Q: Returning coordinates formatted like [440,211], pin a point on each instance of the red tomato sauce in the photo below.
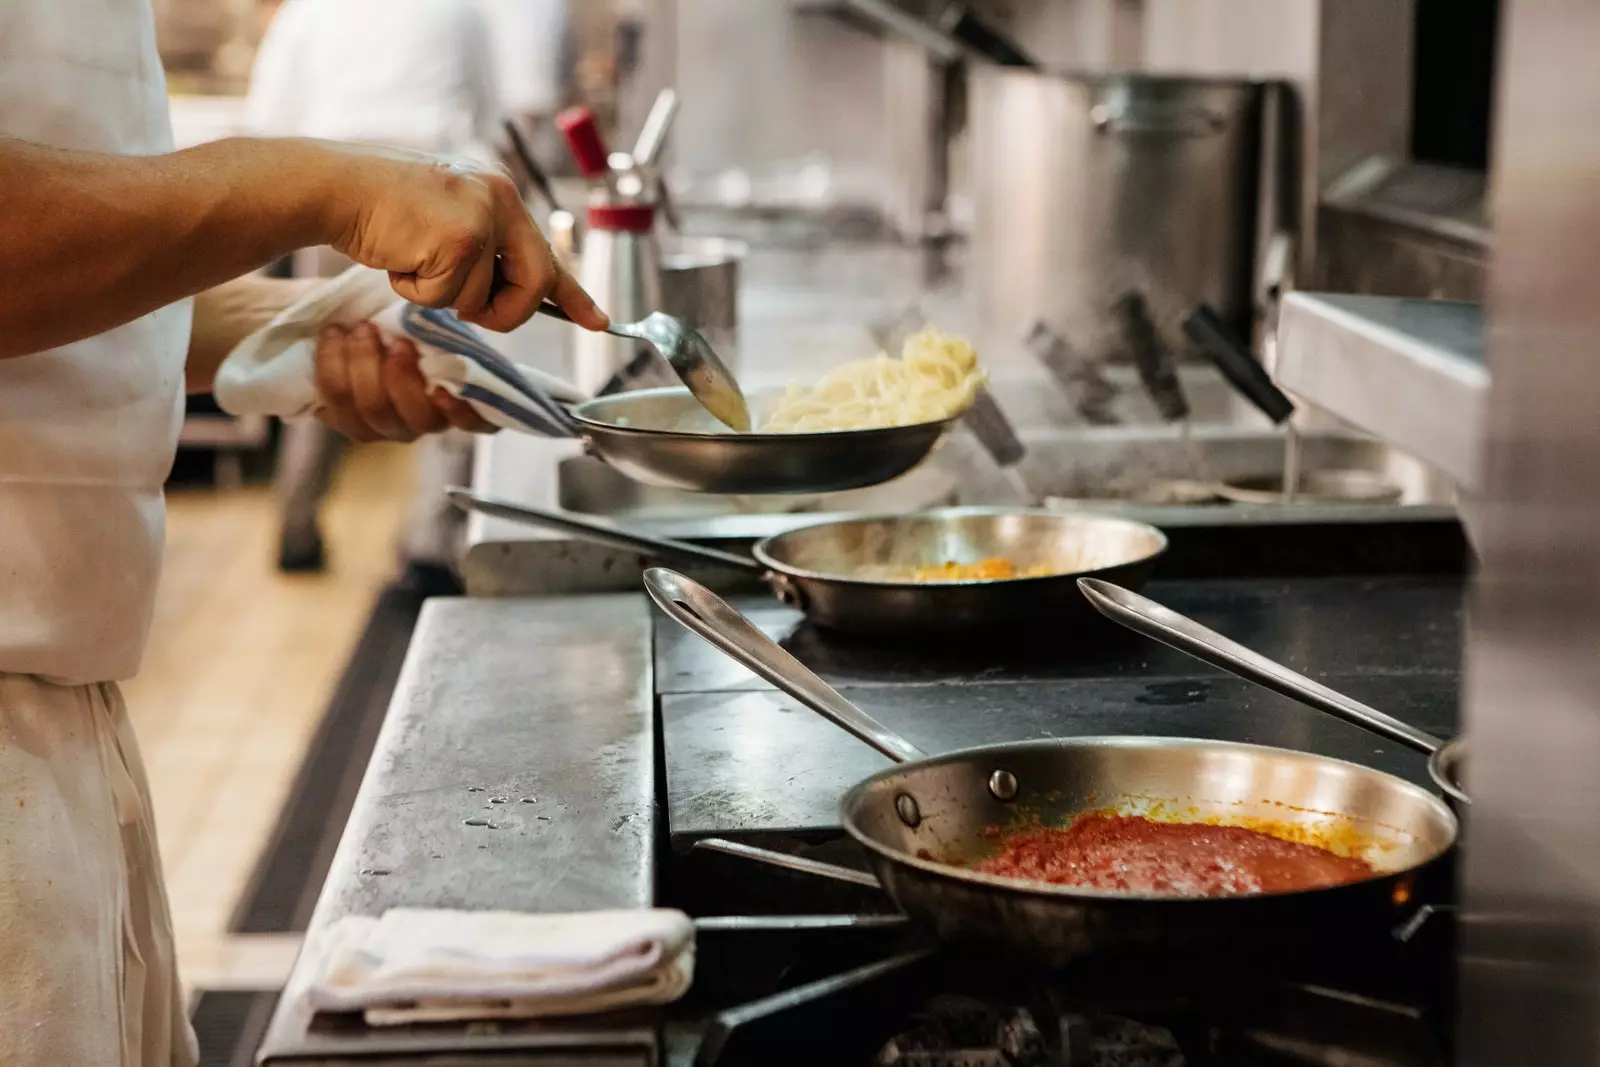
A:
[1131,853]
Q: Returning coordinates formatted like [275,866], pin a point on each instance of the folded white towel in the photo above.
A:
[272,372]
[427,965]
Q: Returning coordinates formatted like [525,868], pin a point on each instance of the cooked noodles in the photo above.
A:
[936,377]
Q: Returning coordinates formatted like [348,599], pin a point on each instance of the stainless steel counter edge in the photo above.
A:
[515,770]
[1411,372]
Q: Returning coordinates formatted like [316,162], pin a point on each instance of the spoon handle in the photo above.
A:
[555,312]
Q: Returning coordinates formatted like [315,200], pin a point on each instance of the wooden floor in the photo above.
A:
[241,663]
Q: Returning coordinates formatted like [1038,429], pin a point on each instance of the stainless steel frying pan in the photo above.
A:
[924,822]
[841,573]
[1446,760]
[664,437]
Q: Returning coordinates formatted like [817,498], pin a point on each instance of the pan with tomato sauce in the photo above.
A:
[1130,853]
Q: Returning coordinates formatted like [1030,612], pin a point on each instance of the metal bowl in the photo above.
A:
[663,437]
[1351,486]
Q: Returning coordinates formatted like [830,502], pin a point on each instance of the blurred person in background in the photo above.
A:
[416,74]
[127,278]
[529,40]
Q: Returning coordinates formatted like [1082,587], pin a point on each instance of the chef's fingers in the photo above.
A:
[408,390]
[571,297]
[478,285]
[333,385]
[525,268]
[460,414]
[368,392]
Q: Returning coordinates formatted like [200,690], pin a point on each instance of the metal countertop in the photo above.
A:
[546,700]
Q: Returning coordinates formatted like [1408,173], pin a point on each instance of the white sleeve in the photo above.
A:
[274,105]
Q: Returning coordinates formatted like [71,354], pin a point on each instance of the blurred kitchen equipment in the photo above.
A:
[1098,188]
[653,134]
[620,266]
[647,151]
[691,358]
[585,143]
[1232,357]
[536,175]
[1145,616]
[925,823]
[981,38]
[1091,393]
[1158,370]
[699,285]
[830,570]
[985,418]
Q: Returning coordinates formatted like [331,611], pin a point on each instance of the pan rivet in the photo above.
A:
[1003,785]
[905,806]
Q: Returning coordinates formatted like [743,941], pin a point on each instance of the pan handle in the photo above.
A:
[1167,626]
[699,609]
[601,532]
[800,864]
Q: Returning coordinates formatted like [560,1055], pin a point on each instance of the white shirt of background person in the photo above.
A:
[410,73]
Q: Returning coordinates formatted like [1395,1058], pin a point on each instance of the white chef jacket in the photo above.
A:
[87,436]
[413,73]
[527,38]
[87,431]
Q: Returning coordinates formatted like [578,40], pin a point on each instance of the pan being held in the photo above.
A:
[860,425]
[933,828]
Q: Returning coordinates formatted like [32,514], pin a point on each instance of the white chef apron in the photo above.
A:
[87,436]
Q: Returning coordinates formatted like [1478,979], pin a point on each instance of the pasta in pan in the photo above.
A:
[936,377]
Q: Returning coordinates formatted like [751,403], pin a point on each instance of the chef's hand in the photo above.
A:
[372,389]
[454,233]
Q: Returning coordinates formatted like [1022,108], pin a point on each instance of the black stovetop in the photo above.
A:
[745,762]
[865,990]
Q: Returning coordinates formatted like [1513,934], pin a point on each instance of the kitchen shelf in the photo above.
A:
[1411,372]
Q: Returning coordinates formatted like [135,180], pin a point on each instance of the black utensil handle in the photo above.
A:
[994,431]
[959,22]
[1230,356]
[536,173]
[1158,372]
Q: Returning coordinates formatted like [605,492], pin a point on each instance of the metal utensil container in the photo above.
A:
[1089,189]
[620,266]
[700,285]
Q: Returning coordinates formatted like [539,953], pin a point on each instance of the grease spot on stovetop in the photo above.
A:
[1174,694]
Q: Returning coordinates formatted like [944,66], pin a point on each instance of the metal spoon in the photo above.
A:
[690,356]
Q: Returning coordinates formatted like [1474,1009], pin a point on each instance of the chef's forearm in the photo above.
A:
[92,241]
[228,313]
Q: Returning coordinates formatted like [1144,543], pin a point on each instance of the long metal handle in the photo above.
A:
[699,609]
[1167,626]
[653,134]
[615,329]
[767,856]
[600,532]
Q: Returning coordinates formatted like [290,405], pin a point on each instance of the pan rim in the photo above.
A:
[766,559]
[825,436]
[1045,889]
